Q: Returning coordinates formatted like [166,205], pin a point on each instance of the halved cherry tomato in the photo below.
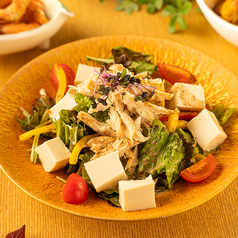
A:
[174,74]
[75,190]
[187,116]
[69,73]
[200,171]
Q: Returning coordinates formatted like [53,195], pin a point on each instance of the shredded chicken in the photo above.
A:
[132,160]
[99,127]
[130,130]
[87,88]
[121,145]
[100,142]
[142,75]
[117,68]
[122,131]
[115,122]
[146,110]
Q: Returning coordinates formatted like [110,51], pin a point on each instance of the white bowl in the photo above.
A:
[56,12]
[227,30]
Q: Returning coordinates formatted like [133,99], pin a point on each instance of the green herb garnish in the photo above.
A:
[116,80]
[174,8]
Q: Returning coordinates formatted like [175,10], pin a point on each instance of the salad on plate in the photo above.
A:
[126,131]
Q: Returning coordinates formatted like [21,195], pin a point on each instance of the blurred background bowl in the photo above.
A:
[56,12]
[224,28]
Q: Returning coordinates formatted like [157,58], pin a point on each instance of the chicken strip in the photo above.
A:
[99,143]
[115,122]
[88,88]
[146,110]
[99,127]
[132,160]
[130,130]
[121,145]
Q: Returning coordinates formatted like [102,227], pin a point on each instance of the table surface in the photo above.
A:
[218,217]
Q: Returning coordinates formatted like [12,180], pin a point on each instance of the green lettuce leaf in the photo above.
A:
[142,67]
[171,158]
[131,55]
[70,134]
[135,61]
[39,115]
[163,153]
[191,147]
[151,149]
[84,158]
[68,116]
[111,195]
[101,60]
[84,103]
[223,113]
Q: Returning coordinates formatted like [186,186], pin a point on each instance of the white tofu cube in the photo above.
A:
[84,72]
[206,130]
[137,194]
[106,171]
[187,97]
[53,154]
[67,103]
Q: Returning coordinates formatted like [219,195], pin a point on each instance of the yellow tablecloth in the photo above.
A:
[216,218]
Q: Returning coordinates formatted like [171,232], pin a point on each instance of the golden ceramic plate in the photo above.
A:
[23,88]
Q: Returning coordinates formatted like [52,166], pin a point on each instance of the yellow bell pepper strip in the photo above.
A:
[173,121]
[78,147]
[181,124]
[36,131]
[33,157]
[62,83]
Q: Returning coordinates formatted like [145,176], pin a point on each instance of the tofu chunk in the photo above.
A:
[53,154]
[106,171]
[206,130]
[67,103]
[137,194]
[187,97]
[84,72]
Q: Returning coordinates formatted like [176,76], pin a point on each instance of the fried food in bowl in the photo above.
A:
[228,10]
[228,30]
[25,24]
[22,15]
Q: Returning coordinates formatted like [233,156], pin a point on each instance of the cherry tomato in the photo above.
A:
[187,116]
[200,171]
[75,190]
[174,74]
[69,73]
